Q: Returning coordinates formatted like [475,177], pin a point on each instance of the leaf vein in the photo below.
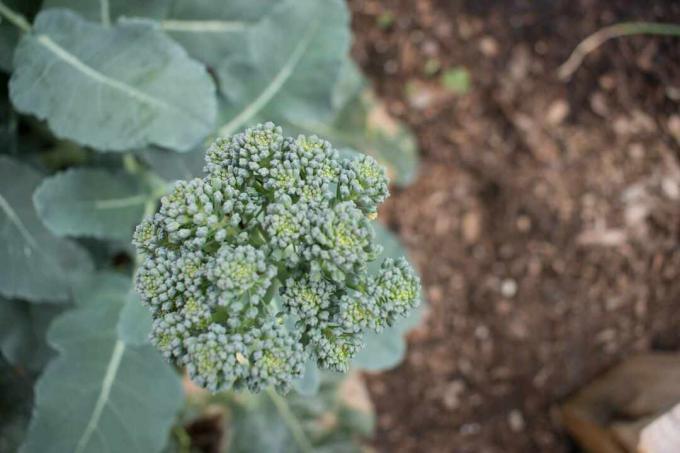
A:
[202,26]
[92,73]
[274,85]
[14,217]
[105,392]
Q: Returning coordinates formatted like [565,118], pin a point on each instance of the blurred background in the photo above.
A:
[544,219]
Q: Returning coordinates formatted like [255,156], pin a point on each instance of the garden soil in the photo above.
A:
[545,217]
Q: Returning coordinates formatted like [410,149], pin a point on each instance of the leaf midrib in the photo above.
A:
[104,394]
[118,203]
[112,83]
[202,26]
[14,218]
[274,86]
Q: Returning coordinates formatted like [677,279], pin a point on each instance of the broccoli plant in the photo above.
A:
[254,266]
[263,262]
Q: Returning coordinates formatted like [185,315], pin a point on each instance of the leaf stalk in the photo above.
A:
[15,18]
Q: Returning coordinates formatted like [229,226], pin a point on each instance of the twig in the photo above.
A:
[592,42]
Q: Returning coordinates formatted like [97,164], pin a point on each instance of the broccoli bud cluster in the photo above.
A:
[262,264]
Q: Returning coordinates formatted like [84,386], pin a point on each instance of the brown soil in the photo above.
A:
[545,219]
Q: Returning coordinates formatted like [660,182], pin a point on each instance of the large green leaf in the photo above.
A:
[111,287]
[22,333]
[103,287]
[212,30]
[135,321]
[91,202]
[111,88]
[208,29]
[34,264]
[288,67]
[102,394]
[113,9]
[172,166]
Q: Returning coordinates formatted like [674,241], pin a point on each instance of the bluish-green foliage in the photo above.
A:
[273,216]
[254,271]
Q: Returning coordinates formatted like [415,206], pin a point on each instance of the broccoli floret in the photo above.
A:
[334,348]
[263,263]
[395,289]
[363,181]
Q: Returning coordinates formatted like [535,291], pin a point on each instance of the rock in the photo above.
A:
[557,112]
[516,420]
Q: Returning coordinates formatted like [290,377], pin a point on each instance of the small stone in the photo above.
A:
[391,67]
[516,420]
[670,188]
[435,293]
[557,112]
[523,223]
[471,227]
[509,287]
[598,102]
[482,332]
[419,95]
[488,46]
[636,151]
[607,82]
[452,393]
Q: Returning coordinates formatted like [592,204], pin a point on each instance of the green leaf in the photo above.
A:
[22,333]
[96,11]
[383,351]
[34,264]
[456,80]
[281,75]
[111,88]
[173,166]
[135,321]
[126,396]
[102,287]
[207,29]
[212,30]
[91,202]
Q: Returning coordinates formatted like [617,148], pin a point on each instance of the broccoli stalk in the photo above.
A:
[273,216]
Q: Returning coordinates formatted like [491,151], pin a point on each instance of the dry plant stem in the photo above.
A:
[592,42]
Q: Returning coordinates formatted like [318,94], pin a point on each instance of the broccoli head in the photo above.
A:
[262,264]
